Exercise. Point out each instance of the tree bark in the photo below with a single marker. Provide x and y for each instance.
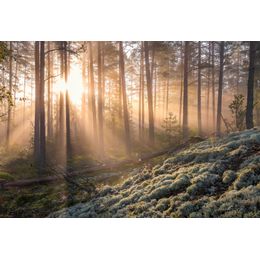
(100, 100)
(10, 90)
(37, 104)
(92, 99)
(220, 88)
(42, 107)
(185, 129)
(250, 86)
(123, 91)
(199, 89)
(213, 87)
(149, 93)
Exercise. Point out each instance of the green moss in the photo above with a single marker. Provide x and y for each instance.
(6, 176)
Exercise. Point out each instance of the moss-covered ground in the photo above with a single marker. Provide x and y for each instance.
(214, 178)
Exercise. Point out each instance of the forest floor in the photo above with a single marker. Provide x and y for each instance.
(40, 199)
(214, 178)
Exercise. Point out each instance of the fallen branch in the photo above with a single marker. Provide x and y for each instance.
(66, 175)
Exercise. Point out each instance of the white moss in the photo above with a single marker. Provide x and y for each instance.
(214, 178)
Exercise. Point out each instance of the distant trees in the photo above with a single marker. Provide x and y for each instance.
(123, 84)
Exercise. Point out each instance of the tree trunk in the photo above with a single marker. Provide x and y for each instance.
(208, 86)
(185, 129)
(100, 100)
(37, 104)
(149, 93)
(167, 89)
(49, 75)
(92, 100)
(67, 104)
(42, 108)
(142, 90)
(10, 90)
(181, 86)
(199, 89)
(213, 87)
(123, 91)
(250, 86)
(220, 88)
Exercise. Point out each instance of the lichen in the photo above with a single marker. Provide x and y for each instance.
(214, 178)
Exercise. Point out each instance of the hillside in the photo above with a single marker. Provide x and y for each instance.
(214, 178)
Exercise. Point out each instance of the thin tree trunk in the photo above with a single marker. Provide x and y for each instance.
(149, 93)
(10, 90)
(208, 86)
(123, 90)
(220, 88)
(24, 98)
(181, 86)
(155, 94)
(199, 89)
(142, 91)
(185, 129)
(167, 89)
(250, 86)
(67, 103)
(42, 108)
(92, 100)
(213, 88)
(49, 129)
(37, 104)
(100, 101)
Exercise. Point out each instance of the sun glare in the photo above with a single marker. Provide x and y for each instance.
(73, 85)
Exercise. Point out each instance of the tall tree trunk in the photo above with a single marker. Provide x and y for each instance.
(199, 90)
(67, 103)
(155, 95)
(49, 75)
(167, 89)
(84, 95)
(142, 91)
(123, 90)
(100, 100)
(185, 129)
(37, 104)
(208, 85)
(220, 88)
(149, 93)
(181, 86)
(8, 130)
(250, 86)
(140, 103)
(24, 98)
(213, 87)
(42, 107)
(92, 99)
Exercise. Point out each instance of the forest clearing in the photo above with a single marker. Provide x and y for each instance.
(129, 129)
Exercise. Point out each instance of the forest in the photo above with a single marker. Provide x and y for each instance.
(129, 129)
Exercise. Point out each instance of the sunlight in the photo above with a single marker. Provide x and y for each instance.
(74, 85)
